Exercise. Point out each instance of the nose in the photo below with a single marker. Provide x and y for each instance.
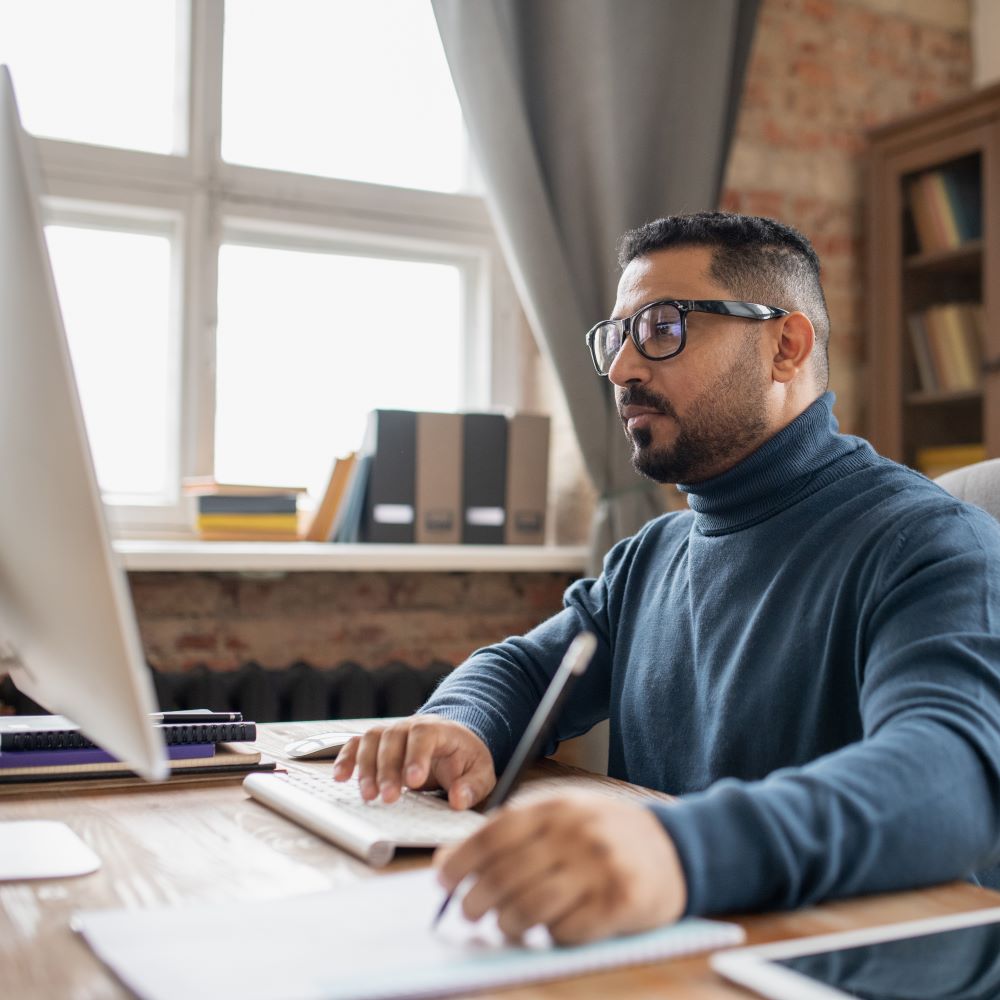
(629, 365)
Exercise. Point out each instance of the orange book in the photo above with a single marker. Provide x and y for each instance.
(322, 522)
(923, 221)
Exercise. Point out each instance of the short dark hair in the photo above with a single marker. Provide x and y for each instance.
(759, 259)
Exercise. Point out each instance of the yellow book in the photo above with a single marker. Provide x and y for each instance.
(934, 462)
(249, 522)
(247, 536)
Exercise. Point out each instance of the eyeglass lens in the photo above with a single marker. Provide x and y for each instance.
(657, 330)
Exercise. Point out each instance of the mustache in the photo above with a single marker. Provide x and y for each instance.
(637, 395)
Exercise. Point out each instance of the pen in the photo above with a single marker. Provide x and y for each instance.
(574, 663)
(194, 716)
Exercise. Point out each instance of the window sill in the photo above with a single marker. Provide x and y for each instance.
(254, 557)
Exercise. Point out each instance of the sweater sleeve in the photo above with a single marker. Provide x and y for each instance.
(497, 689)
(917, 799)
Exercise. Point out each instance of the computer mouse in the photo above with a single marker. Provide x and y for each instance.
(318, 747)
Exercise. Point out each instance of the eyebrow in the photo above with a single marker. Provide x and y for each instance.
(649, 302)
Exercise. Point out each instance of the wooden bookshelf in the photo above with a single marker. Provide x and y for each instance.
(933, 235)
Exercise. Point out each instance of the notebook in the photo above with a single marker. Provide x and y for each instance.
(56, 732)
(228, 763)
(369, 941)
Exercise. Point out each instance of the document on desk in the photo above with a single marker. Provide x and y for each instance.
(368, 941)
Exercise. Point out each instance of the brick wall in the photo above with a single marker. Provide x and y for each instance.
(223, 620)
(821, 73)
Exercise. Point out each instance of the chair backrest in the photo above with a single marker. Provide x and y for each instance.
(978, 484)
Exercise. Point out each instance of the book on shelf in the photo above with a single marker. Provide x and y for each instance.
(350, 511)
(946, 206)
(947, 344)
(195, 486)
(936, 461)
(321, 524)
(56, 732)
(286, 525)
(256, 504)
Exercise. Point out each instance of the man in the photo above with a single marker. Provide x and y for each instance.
(809, 656)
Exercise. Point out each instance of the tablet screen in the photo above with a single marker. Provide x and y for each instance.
(962, 964)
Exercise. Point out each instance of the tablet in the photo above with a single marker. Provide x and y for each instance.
(942, 958)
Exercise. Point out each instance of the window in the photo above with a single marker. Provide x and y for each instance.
(114, 293)
(308, 342)
(400, 95)
(69, 60)
(248, 255)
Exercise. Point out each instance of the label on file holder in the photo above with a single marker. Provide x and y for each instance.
(392, 513)
(485, 517)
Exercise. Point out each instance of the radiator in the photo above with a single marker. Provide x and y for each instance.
(297, 693)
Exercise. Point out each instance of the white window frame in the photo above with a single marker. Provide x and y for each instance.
(200, 201)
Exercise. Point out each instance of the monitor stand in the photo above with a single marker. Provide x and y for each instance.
(39, 848)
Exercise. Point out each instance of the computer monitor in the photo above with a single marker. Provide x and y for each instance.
(68, 635)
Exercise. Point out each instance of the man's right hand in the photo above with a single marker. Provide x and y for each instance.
(421, 752)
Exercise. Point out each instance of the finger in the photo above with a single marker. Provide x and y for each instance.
(423, 743)
(343, 767)
(367, 763)
(587, 921)
(508, 876)
(506, 832)
(548, 900)
(473, 784)
(389, 762)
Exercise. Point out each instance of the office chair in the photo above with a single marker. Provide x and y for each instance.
(978, 484)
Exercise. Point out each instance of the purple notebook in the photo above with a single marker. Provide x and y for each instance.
(92, 755)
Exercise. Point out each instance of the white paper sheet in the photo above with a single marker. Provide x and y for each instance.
(369, 940)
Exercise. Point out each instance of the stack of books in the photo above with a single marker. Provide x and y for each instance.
(946, 206)
(441, 478)
(230, 512)
(948, 346)
(50, 748)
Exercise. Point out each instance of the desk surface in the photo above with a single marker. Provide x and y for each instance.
(172, 846)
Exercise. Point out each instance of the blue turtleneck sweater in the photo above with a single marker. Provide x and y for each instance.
(809, 657)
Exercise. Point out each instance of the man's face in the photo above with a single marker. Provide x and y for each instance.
(697, 414)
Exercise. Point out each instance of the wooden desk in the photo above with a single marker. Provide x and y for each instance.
(171, 846)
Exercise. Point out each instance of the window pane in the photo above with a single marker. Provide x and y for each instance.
(342, 89)
(114, 291)
(99, 71)
(308, 343)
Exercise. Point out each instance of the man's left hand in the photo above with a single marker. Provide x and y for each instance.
(587, 866)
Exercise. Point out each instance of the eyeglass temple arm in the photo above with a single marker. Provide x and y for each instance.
(742, 310)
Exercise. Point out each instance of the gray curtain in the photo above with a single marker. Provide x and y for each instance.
(590, 117)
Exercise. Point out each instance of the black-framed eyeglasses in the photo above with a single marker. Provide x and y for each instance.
(659, 330)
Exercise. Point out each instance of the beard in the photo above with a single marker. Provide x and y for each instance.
(724, 423)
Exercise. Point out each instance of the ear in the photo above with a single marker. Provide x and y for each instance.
(794, 343)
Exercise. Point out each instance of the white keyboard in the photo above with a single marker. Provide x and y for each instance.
(370, 830)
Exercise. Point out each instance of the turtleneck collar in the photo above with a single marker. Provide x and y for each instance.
(800, 459)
